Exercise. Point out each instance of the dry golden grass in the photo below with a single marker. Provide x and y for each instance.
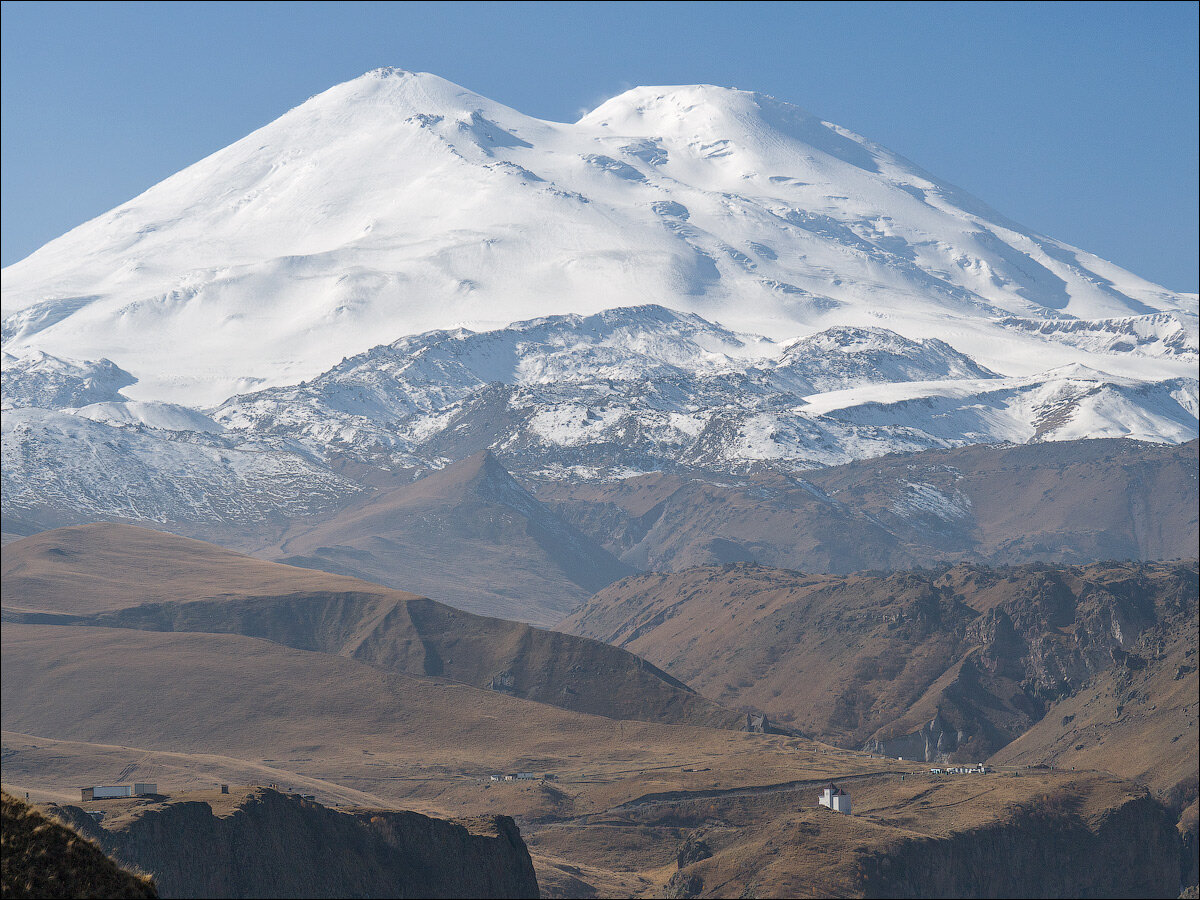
(190, 710)
(86, 704)
(92, 568)
(161, 582)
(43, 858)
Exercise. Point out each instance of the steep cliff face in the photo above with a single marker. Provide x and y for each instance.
(936, 665)
(1044, 851)
(273, 845)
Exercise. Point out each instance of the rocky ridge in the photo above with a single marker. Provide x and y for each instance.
(269, 844)
(564, 398)
(949, 664)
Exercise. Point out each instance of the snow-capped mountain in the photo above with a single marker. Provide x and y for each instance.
(399, 203)
(573, 397)
(401, 273)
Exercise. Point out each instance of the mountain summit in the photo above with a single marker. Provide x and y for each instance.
(399, 203)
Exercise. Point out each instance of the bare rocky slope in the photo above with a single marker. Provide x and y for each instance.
(268, 844)
(468, 534)
(1071, 502)
(950, 664)
(122, 576)
(472, 535)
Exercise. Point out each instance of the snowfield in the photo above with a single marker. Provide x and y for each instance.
(399, 203)
(400, 272)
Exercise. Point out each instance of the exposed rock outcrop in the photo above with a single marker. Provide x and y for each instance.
(1044, 851)
(936, 741)
(933, 665)
(275, 845)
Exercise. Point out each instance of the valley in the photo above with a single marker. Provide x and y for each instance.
(256, 673)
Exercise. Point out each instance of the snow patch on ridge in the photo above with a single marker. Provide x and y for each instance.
(33, 378)
(1159, 334)
(925, 499)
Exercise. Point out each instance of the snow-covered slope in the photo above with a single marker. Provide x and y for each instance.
(62, 469)
(577, 397)
(645, 388)
(402, 273)
(400, 203)
(34, 378)
(75, 450)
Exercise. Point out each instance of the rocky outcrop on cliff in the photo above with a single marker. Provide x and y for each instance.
(1045, 850)
(270, 844)
(935, 740)
(935, 665)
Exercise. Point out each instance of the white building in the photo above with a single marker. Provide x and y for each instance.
(106, 791)
(977, 769)
(836, 799)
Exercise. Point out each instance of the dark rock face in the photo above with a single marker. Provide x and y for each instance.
(694, 849)
(683, 886)
(276, 845)
(1045, 851)
(935, 740)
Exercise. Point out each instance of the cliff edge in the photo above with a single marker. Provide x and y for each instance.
(263, 843)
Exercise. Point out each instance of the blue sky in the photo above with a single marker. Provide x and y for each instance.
(1077, 119)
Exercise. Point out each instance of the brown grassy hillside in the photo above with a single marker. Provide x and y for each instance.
(44, 858)
(928, 664)
(1070, 501)
(151, 701)
(626, 795)
(123, 576)
(92, 568)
